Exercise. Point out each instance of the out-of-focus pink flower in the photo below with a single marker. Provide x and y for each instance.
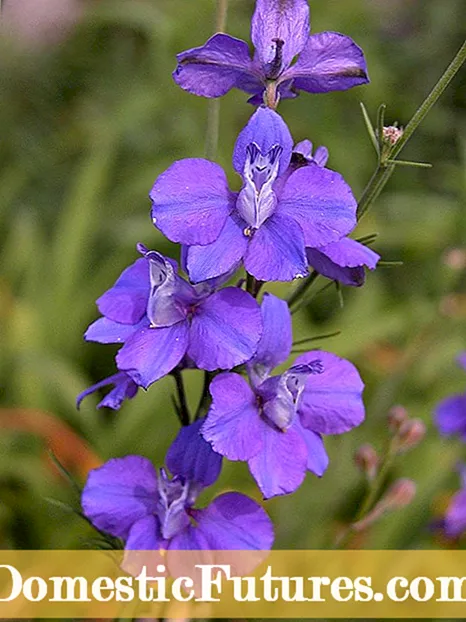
(39, 22)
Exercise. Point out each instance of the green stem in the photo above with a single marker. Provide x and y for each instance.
(183, 411)
(213, 114)
(205, 397)
(431, 99)
(374, 188)
(301, 290)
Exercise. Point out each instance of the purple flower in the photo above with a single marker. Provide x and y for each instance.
(450, 414)
(160, 318)
(123, 388)
(277, 423)
(151, 511)
(279, 211)
(454, 523)
(327, 61)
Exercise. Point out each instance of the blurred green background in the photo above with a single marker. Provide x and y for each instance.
(86, 125)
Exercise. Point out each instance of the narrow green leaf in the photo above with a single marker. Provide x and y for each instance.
(370, 129)
(390, 264)
(302, 342)
(380, 122)
(64, 473)
(406, 163)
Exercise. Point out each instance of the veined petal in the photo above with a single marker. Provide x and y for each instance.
(192, 457)
(126, 301)
(317, 458)
(329, 61)
(276, 251)
(343, 261)
(144, 535)
(212, 260)
(191, 201)
(331, 402)
(455, 518)
(280, 466)
(151, 353)
(119, 493)
(124, 388)
(216, 67)
(225, 330)
(276, 341)
(285, 21)
(265, 129)
(233, 425)
(234, 522)
(107, 331)
(321, 202)
(450, 416)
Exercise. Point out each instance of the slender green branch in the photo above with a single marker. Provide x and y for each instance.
(213, 114)
(183, 409)
(302, 288)
(204, 402)
(374, 188)
(431, 99)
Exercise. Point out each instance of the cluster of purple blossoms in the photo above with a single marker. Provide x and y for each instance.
(292, 215)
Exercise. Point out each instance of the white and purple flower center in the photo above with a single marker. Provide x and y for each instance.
(257, 200)
(175, 497)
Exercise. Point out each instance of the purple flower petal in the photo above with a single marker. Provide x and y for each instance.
(283, 20)
(207, 262)
(225, 330)
(317, 458)
(145, 535)
(191, 201)
(280, 467)
(126, 301)
(343, 261)
(321, 202)
(192, 457)
(107, 331)
(277, 338)
(304, 148)
(331, 402)
(233, 425)
(462, 360)
(266, 129)
(119, 493)
(329, 61)
(152, 353)
(455, 518)
(234, 522)
(124, 388)
(216, 67)
(276, 251)
(450, 415)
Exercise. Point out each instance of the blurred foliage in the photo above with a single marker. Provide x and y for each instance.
(87, 125)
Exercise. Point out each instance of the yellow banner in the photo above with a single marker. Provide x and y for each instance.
(239, 584)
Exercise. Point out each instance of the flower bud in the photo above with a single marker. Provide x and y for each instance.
(400, 494)
(410, 434)
(397, 416)
(455, 258)
(367, 461)
(392, 134)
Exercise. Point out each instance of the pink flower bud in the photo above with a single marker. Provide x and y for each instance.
(410, 434)
(397, 416)
(400, 494)
(367, 461)
(392, 134)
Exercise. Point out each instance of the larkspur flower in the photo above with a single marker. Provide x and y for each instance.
(454, 522)
(277, 423)
(450, 414)
(123, 388)
(277, 214)
(327, 61)
(345, 259)
(161, 318)
(151, 511)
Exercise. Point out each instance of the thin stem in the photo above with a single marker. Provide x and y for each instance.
(374, 188)
(213, 114)
(205, 397)
(301, 290)
(431, 99)
(183, 410)
(253, 286)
